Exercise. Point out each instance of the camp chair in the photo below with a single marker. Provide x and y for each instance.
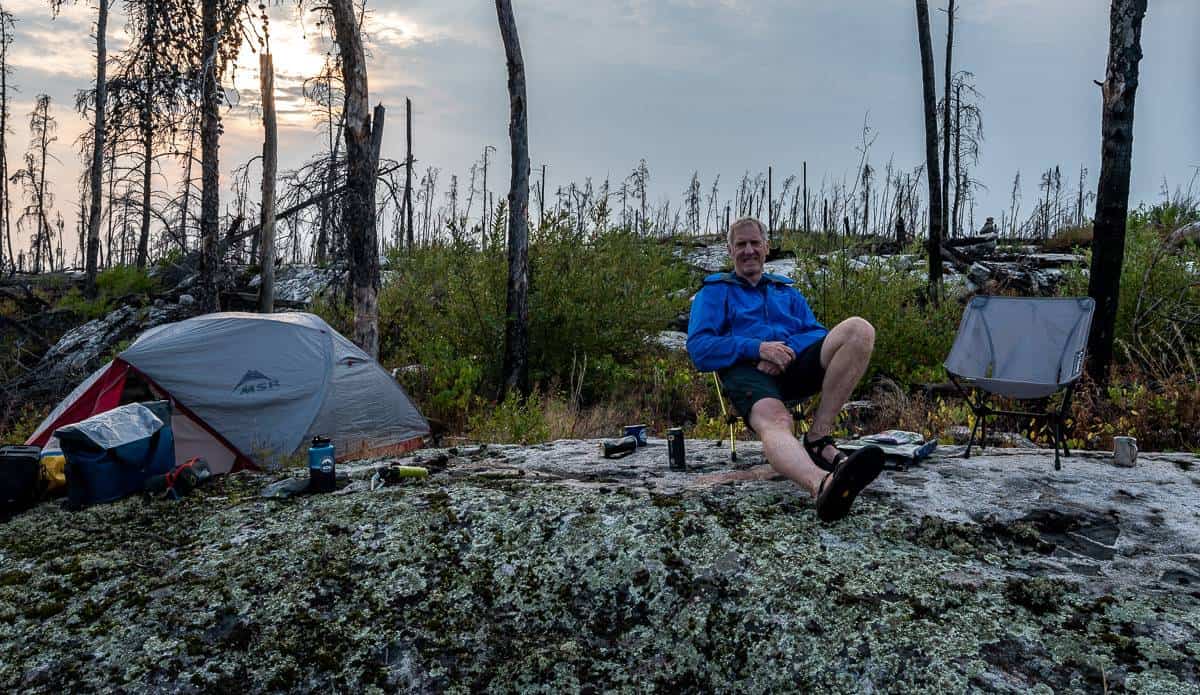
(1021, 348)
(732, 418)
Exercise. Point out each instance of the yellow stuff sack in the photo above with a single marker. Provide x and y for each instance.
(54, 468)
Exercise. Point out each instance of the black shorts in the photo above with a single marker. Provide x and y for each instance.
(744, 385)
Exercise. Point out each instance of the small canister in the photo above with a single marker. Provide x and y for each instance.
(638, 432)
(618, 448)
(322, 474)
(675, 455)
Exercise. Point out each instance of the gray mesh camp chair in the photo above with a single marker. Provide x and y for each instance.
(1022, 348)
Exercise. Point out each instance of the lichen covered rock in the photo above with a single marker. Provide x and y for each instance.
(548, 568)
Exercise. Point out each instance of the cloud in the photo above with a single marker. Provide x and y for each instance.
(719, 86)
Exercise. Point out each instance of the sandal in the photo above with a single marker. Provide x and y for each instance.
(815, 449)
(839, 488)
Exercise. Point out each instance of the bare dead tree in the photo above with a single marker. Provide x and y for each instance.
(151, 98)
(210, 142)
(967, 138)
(946, 130)
(691, 197)
(1084, 198)
(188, 184)
(7, 29)
(487, 208)
(358, 202)
(266, 290)
(712, 213)
(516, 324)
(99, 134)
(1014, 204)
(804, 169)
(221, 37)
(325, 91)
(931, 152)
(42, 127)
(1118, 92)
(408, 169)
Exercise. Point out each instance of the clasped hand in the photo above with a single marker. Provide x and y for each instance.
(776, 356)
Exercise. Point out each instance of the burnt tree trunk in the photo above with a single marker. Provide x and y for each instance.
(97, 166)
(931, 152)
(146, 125)
(42, 221)
(358, 202)
(1112, 195)
(210, 134)
(408, 169)
(804, 170)
(5, 39)
(186, 206)
(325, 247)
(111, 157)
(955, 226)
(516, 324)
(770, 199)
(266, 291)
(947, 223)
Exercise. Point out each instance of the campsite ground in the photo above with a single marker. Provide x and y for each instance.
(548, 567)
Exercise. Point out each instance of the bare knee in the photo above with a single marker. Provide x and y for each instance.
(858, 333)
(769, 415)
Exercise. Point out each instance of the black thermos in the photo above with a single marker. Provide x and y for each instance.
(675, 458)
(618, 448)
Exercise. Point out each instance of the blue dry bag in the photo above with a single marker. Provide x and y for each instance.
(110, 455)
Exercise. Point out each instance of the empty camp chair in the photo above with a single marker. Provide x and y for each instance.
(1021, 348)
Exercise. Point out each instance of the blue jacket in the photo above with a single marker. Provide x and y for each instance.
(730, 318)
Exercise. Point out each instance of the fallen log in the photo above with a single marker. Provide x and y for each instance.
(250, 300)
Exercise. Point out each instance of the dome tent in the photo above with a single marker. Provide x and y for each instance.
(251, 389)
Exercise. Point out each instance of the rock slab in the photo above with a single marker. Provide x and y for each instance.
(549, 567)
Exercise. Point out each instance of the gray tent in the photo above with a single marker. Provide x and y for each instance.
(251, 389)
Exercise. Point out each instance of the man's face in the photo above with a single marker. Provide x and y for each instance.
(748, 251)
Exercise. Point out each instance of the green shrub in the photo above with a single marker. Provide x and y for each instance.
(594, 301)
(912, 337)
(124, 280)
(511, 422)
(88, 308)
(597, 299)
(111, 285)
(19, 424)
(1069, 239)
(1158, 283)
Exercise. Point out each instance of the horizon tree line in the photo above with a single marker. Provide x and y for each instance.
(167, 86)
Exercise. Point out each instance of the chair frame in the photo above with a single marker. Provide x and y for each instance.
(979, 406)
(982, 410)
(732, 418)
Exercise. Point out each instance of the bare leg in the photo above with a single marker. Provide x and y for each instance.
(773, 423)
(845, 356)
(759, 472)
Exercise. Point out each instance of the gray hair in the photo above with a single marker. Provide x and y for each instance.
(745, 222)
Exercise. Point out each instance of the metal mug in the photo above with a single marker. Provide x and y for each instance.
(1125, 451)
(638, 432)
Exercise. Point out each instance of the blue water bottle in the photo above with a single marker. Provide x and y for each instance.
(321, 469)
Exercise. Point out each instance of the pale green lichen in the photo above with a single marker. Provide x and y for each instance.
(505, 585)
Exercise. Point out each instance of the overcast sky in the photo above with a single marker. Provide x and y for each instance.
(715, 86)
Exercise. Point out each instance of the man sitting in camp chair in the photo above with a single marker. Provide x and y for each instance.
(758, 333)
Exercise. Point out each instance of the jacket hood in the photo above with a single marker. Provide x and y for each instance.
(733, 279)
